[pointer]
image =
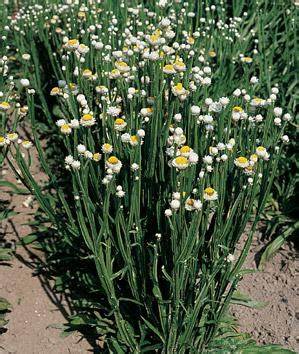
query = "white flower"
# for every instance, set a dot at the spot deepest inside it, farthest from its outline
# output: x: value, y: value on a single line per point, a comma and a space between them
x: 177, y: 117
x: 277, y: 111
x: 88, y: 154
x: 113, y: 111
x: 208, y: 159
x: 141, y: 133
x: 26, y: 56
x: 69, y: 159
x: 215, y: 107
x: 201, y: 174
x: 176, y: 195
x: 76, y: 165
x: 87, y: 120
x: 230, y: 258
x: 195, y: 110
x: 81, y: 149
x: 134, y: 166
x: 210, y: 194
x: 287, y: 117
x: 224, y: 101
x: 75, y: 123
x: 175, y: 204
x: 168, y: 212
x: 259, y: 118
x: 224, y: 157
x: 114, y: 164
x: 107, y: 148
x: 120, y: 193
x: 237, y: 93
x: 277, y: 121
x: 285, y: 138
x: 193, y: 157
x: 261, y: 151
x: 180, y: 162
x: 25, y: 82
x: 60, y: 122
x: 254, y: 80
x: 125, y: 138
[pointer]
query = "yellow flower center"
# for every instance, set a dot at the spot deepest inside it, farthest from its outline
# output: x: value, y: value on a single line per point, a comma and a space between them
x: 169, y: 67
x: 113, y: 160
x: 179, y: 86
x: 96, y: 156
x: 107, y: 146
x: 87, y: 72
x: 254, y: 157
x: 260, y: 149
x: 190, y: 202
x: 209, y: 191
x: 122, y: 64
x: 65, y: 127
x: 134, y: 139
x: 238, y: 109
x: 181, y: 160
x: 2, y: 139
x: 12, y: 135
x: 4, y: 104
x: 242, y: 160
x: 119, y: 121
x: 87, y: 117
x: 72, y: 42
x: 185, y: 149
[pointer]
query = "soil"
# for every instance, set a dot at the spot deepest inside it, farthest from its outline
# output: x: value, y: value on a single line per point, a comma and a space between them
x: 37, y: 310
x: 278, y: 322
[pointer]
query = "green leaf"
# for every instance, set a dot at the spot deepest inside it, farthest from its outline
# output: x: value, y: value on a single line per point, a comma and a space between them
x: 276, y: 244
x: 26, y: 240
x: 14, y: 187
x: 4, y: 304
x: 266, y: 349
x: 5, y: 254
x: 239, y: 298
x: 153, y: 328
x: 6, y: 214
x: 58, y: 112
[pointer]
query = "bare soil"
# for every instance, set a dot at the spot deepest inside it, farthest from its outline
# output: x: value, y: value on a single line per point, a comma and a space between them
x: 278, y: 322
x: 36, y: 310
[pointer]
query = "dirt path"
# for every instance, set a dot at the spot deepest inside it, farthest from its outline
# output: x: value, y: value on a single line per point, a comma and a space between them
x: 278, y: 322
x: 28, y: 330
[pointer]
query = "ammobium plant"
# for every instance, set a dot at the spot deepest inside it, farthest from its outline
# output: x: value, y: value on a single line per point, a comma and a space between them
x: 165, y: 169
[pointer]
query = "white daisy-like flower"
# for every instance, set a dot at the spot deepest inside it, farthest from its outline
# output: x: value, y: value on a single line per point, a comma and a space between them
x: 210, y: 194
x: 180, y: 162
x: 114, y: 164
x: 241, y: 161
x: 120, y: 124
x: 107, y: 148
x: 4, y: 106
x: 26, y: 144
x: 66, y: 129
x: 87, y: 120
x: 12, y: 137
